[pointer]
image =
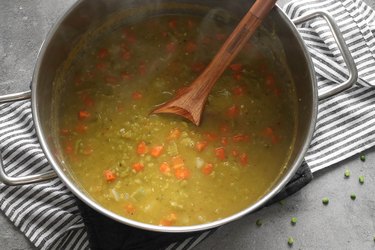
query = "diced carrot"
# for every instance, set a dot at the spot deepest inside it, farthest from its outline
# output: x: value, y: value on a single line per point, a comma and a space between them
x: 198, y: 67
x: 168, y: 220
x: 269, y: 133
x: 236, y: 67
x: 101, y: 66
x: 270, y: 80
x: 171, y: 47
x: 109, y: 175
x: 126, y: 54
x: 69, y: 148
x: 233, y: 111
x: 88, y: 101
x: 137, y: 95
x: 191, y: 24
x: 235, y: 153
x: 191, y: 47
x: 182, y: 173
x: 177, y: 162
x: 220, y: 153
x: 83, y: 115
x: 129, y: 36
x: 120, y: 107
x: 156, y: 151
x: 142, y: 69
x: 207, y: 169
x: 65, y: 131
x: 130, y: 208
x: 172, y: 24
x: 244, y: 159
x: 81, y: 128
x: 125, y: 76
x: 224, y: 141
x: 238, y: 91
x: 271, y: 85
x: 174, y: 134
x: 111, y: 80
x: 210, y: 136
x: 102, y: 53
x: 142, y: 148
x: 164, y: 168
x: 201, y: 145
x: 240, y: 138
x: 224, y: 128
x: 78, y: 80
x: 237, y: 76
x: 88, y: 150
x: 138, y: 167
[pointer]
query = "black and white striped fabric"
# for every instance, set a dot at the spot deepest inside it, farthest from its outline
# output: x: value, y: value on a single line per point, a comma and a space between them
x: 47, y: 213
x: 346, y: 122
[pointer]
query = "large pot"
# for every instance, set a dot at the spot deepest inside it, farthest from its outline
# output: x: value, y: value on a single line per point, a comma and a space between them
x: 85, y: 13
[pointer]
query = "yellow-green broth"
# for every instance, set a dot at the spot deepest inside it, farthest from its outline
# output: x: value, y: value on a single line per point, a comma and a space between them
x: 162, y: 169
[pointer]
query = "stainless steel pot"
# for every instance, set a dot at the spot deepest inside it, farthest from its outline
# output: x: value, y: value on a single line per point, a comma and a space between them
x: 86, y: 13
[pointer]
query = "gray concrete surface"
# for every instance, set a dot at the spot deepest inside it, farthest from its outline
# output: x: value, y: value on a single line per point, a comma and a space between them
x: 343, y: 224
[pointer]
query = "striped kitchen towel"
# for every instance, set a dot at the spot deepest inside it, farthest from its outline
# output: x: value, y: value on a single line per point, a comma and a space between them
x: 47, y: 213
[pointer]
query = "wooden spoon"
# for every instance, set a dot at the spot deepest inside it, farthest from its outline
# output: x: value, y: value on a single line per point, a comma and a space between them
x: 189, y: 102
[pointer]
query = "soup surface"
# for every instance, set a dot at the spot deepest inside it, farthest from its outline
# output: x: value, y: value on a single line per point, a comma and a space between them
x: 161, y: 169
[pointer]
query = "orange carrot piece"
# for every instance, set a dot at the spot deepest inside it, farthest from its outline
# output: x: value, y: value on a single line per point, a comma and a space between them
x: 191, y: 47
x: 177, y: 162
x: 130, y: 208
x: 83, y: 115
x: 171, y: 47
x: 80, y: 128
x: 137, y: 95
x: 224, y: 141
x: 233, y: 111
x: 244, y: 159
x: 238, y: 91
x: 201, y: 145
x: 138, y: 167
x: 69, y: 148
x: 224, y: 128
x: 236, y: 67
x: 198, y: 67
x: 240, y: 138
x: 169, y: 220
x: 142, y: 148
x: 210, y: 136
x: 109, y: 175
x: 88, y: 150
x: 65, y: 131
x: 172, y: 24
x: 102, y: 53
x: 235, y: 152
x: 174, y: 134
x: 269, y: 133
x: 164, y: 168
x: 182, y: 173
x: 220, y: 153
x: 156, y: 151
x: 207, y: 169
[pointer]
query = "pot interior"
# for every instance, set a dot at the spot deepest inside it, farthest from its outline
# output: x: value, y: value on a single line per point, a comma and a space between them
x: 85, y: 15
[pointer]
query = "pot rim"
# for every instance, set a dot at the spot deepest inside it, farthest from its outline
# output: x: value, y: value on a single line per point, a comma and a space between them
x: 172, y: 229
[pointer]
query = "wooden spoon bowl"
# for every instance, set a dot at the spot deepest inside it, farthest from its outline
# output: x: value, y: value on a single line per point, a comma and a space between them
x: 190, y: 102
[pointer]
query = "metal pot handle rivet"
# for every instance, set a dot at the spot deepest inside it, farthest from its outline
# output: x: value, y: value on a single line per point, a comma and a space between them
x: 21, y: 180
x: 348, y: 59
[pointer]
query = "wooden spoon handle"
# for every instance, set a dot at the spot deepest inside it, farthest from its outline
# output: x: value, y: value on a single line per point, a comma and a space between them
x: 233, y: 44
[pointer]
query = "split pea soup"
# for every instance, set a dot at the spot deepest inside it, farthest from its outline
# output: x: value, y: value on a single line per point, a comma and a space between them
x: 161, y: 169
